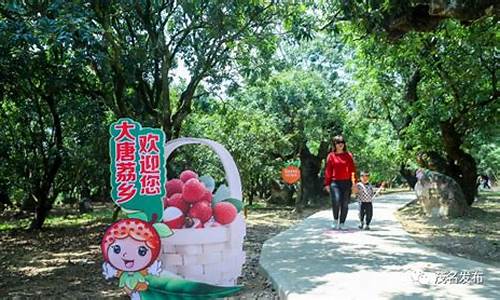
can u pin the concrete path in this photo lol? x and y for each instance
(311, 261)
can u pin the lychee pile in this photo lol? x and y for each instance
(190, 204)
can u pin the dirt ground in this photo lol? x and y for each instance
(475, 236)
(64, 260)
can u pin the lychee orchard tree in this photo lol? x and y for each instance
(290, 115)
(122, 58)
(421, 73)
(51, 126)
(141, 46)
(395, 18)
(438, 90)
(249, 135)
(301, 105)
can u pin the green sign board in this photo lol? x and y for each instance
(138, 172)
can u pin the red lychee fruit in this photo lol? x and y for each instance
(193, 190)
(177, 201)
(201, 210)
(174, 186)
(207, 197)
(224, 212)
(173, 217)
(187, 174)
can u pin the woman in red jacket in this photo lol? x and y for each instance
(340, 173)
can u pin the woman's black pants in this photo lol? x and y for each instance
(340, 192)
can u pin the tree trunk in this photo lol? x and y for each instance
(263, 187)
(463, 164)
(4, 199)
(299, 204)
(116, 212)
(310, 183)
(408, 175)
(41, 211)
(28, 203)
(44, 191)
(292, 191)
(252, 191)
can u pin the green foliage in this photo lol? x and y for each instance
(488, 151)
(392, 19)
(50, 144)
(72, 67)
(299, 103)
(456, 65)
(260, 77)
(267, 123)
(375, 147)
(247, 134)
(142, 48)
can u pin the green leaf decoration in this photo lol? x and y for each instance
(163, 230)
(138, 215)
(208, 182)
(222, 193)
(130, 279)
(175, 288)
(236, 202)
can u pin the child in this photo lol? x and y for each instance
(365, 195)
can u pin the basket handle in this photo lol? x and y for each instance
(232, 174)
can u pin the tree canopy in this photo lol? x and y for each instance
(408, 83)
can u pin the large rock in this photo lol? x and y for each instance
(440, 195)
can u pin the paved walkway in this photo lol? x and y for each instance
(310, 261)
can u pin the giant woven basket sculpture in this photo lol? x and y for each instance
(213, 255)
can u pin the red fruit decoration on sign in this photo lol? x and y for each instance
(290, 174)
(207, 197)
(224, 212)
(193, 190)
(187, 174)
(173, 217)
(126, 236)
(177, 201)
(174, 186)
(201, 210)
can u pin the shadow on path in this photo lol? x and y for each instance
(311, 259)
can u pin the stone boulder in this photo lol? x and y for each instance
(440, 195)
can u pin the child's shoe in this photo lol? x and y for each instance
(335, 224)
(361, 225)
(367, 227)
(341, 226)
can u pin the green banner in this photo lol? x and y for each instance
(138, 173)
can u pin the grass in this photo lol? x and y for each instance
(475, 236)
(61, 217)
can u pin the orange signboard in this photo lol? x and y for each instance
(290, 174)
